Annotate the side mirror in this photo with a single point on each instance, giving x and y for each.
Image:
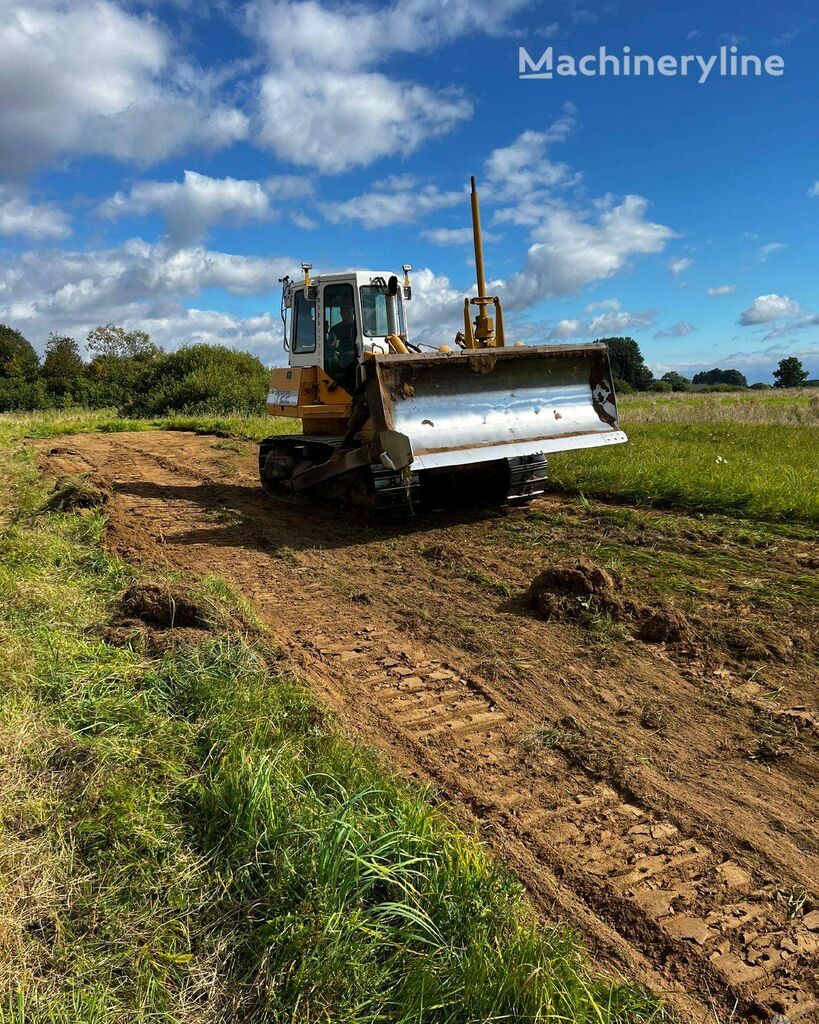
(408, 292)
(312, 293)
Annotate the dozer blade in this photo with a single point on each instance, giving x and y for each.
(484, 404)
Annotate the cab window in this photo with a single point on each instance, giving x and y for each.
(340, 335)
(373, 311)
(304, 318)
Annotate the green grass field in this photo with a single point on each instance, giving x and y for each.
(753, 453)
(186, 837)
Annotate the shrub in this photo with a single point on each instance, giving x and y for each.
(662, 385)
(200, 379)
(760, 386)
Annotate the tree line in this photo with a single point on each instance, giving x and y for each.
(126, 370)
(631, 373)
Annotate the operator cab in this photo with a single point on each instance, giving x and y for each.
(337, 320)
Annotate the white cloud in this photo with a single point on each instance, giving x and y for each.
(792, 326)
(436, 310)
(451, 236)
(767, 308)
(323, 64)
(571, 250)
(91, 78)
(722, 289)
(392, 201)
(765, 251)
(301, 220)
(198, 202)
(603, 304)
(679, 266)
(679, 330)
(350, 119)
(605, 325)
(813, 191)
(347, 38)
(70, 292)
(40, 221)
(523, 176)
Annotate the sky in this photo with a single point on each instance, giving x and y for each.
(163, 164)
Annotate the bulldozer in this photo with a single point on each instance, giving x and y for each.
(396, 426)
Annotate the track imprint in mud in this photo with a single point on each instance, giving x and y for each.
(687, 865)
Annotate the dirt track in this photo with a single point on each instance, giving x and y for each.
(659, 797)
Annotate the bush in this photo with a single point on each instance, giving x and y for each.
(662, 385)
(760, 386)
(199, 379)
(622, 387)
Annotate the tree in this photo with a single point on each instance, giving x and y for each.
(662, 385)
(716, 376)
(676, 380)
(627, 363)
(790, 373)
(20, 384)
(115, 342)
(63, 368)
(17, 356)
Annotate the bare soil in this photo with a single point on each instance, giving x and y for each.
(659, 794)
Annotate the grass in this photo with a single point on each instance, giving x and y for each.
(751, 454)
(188, 837)
(50, 422)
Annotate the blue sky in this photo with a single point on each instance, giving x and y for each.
(163, 164)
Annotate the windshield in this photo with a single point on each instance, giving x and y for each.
(374, 311)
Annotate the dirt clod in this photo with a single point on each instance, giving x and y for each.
(79, 492)
(662, 625)
(575, 587)
(162, 606)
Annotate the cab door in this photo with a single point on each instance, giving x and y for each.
(341, 334)
(303, 329)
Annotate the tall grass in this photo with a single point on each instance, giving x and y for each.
(188, 837)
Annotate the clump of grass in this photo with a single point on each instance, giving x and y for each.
(578, 746)
(188, 837)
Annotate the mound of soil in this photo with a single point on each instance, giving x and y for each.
(661, 625)
(165, 607)
(154, 642)
(576, 587)
(71, 494)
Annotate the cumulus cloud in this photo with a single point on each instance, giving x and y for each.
(767, 308)
(72, 291)
(325, 61)
(572, 249)
(679, 266)
(350, 119)
(522, 177)
(813, 191)
(90, 78)
(198, 202)
(609, 324)
(38, 221)
(679, 330)
(722, 289)
(398, 200)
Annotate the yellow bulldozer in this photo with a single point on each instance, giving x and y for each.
(395, 426)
